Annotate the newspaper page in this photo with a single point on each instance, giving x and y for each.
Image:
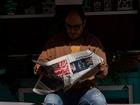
(66, 71)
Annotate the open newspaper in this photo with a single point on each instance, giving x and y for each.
(66, 71)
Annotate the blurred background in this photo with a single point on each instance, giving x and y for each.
(26, 25)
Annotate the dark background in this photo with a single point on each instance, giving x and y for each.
(27, 36)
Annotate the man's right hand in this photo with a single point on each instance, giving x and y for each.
(41, 68)
(44, 70)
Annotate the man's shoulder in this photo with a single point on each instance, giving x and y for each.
(56, 37)
(90, 36)
(93, 40)
(55, 40)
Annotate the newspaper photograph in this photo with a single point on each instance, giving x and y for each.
(66, 71)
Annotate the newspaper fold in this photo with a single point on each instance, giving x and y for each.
(67, 70)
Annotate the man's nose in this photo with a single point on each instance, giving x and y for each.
(72, 30)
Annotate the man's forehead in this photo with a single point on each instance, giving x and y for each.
(73, 18)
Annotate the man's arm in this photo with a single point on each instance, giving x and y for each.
(43, 57)
(100, 71)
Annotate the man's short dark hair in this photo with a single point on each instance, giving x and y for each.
(77, 9)
(63, 11)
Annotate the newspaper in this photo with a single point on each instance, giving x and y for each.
(66, 71)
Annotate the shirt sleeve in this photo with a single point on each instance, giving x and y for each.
(97, 47)
(47, 54)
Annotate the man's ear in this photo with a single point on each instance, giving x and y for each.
(84, 23)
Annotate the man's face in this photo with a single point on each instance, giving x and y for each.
(74, 25)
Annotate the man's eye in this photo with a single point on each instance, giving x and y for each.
(76, 26)
(69, 26)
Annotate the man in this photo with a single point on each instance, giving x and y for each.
(74, 39)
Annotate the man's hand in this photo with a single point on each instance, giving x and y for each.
(103, 67)
(48, 70)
